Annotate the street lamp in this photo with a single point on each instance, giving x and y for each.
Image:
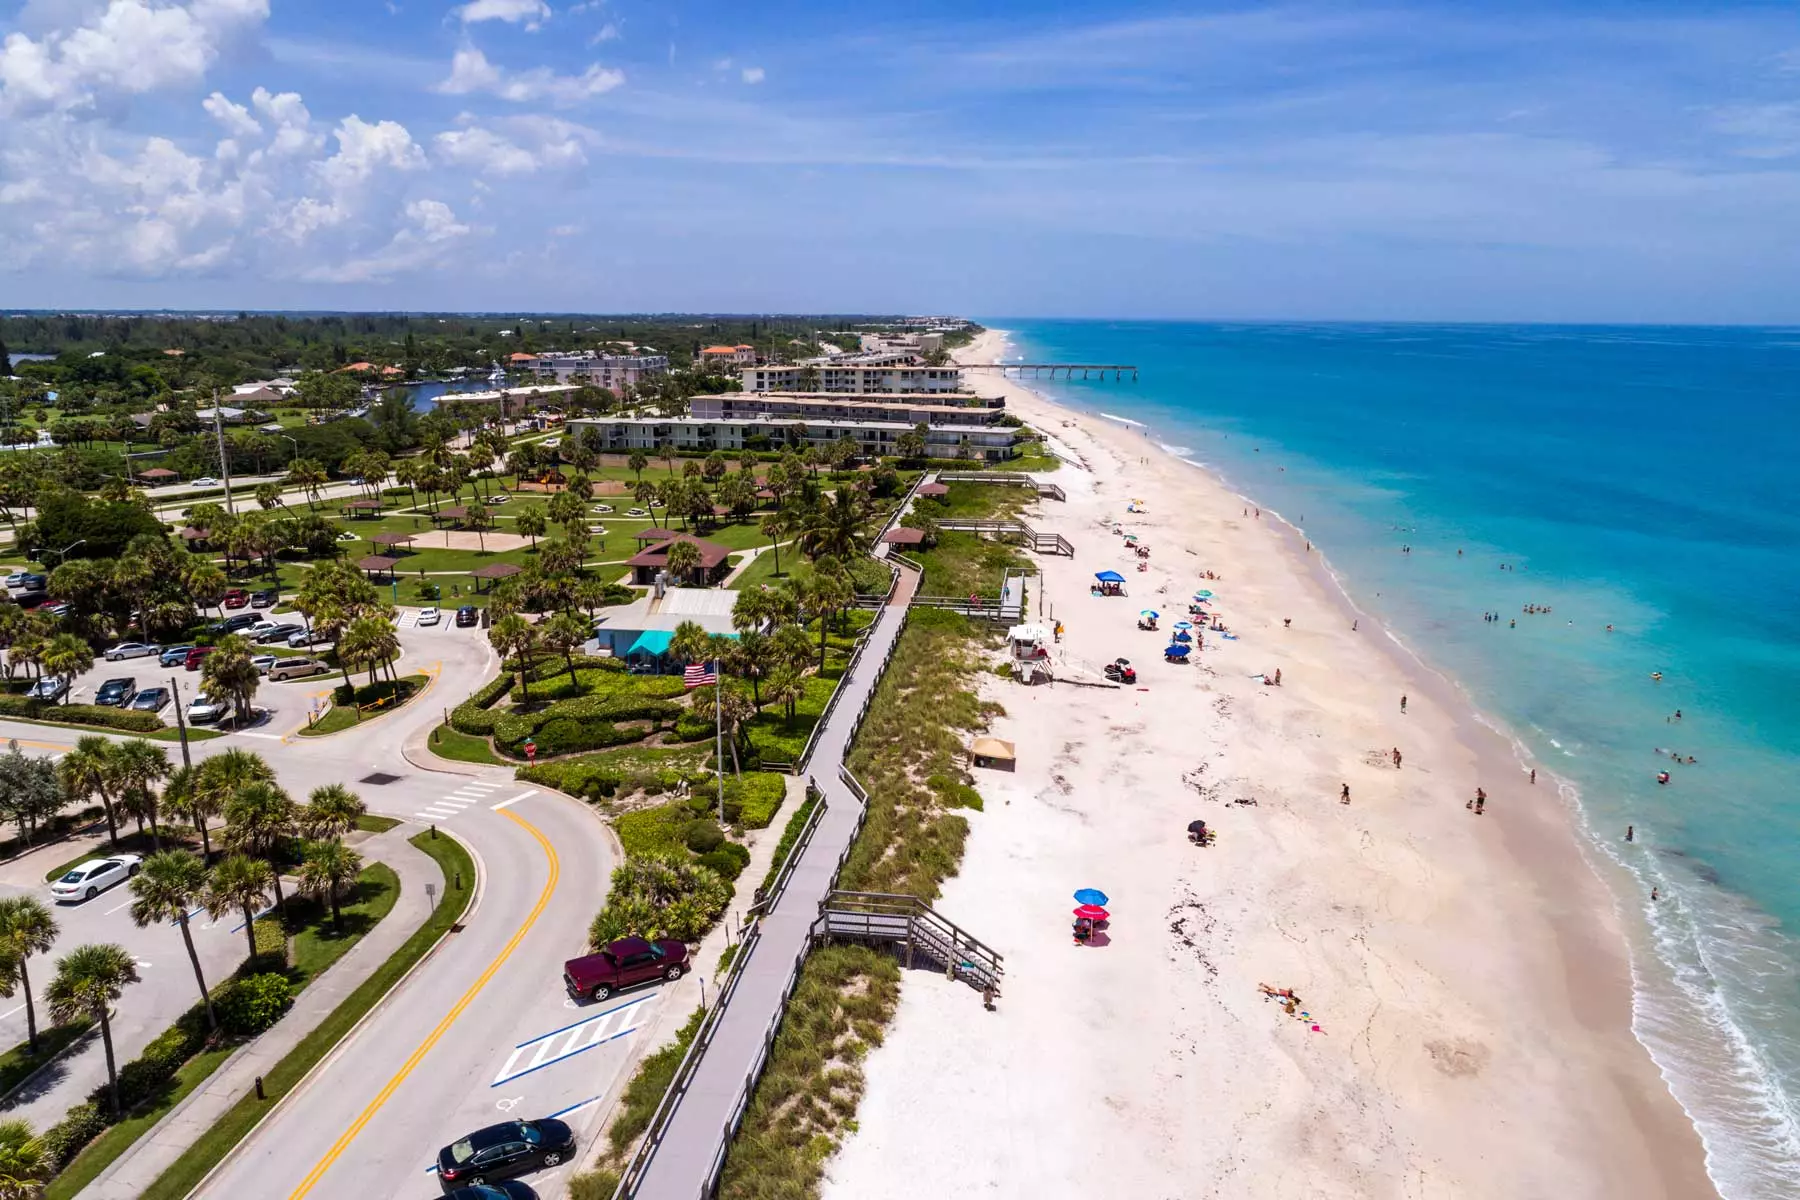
(64, 552)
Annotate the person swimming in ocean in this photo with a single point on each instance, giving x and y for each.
(1656, 675)
(1662, 777)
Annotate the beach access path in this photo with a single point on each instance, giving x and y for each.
(683, 1161)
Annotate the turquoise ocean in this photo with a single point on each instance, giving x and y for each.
(1632, 476)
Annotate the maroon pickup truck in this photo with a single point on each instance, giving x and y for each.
(624, 963)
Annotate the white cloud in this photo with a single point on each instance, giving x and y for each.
(294, 132)
(470, 71)
(430, 238)
(526, 145)
(608, 32)
(529, 13)
(127, 47)
(233, 116)
(365, 149)
(754, 74)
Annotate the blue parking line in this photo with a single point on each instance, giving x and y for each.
(199, 908)
(563, 1112)
(584, 1021)
(563, 1058)
(259, 916)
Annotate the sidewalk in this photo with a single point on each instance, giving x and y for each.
(135, 1170)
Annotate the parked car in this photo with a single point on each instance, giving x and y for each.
(27, 581)
(205, 481)
(236, 598)
(204, 710)
(276, 633)
(174, 656)
(87, 880)
(31, 599)
(429, 616)
(265, 598)
(508, 1189)
(61, 608)
(116, 693)
(499, 498)
(50, 687)
(504, 1151)
(623, 964)
(262, 663)
(132, 650)
(467, 615)
(295, 668)
(16, 579)
(151, 700)
(236, 623)
(196, 656)
(305, 638)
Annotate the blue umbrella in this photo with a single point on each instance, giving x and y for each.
(1184, 624)
(1203, 594)
(1109, 577)
(1181, 635)
(1177, 650)
(1151, 613)
(1091, 896)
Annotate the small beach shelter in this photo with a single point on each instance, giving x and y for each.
(994, 753)
(1184, 624)
(1109, 577)
(1203, 594)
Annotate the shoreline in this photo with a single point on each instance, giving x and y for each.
(1501, 953)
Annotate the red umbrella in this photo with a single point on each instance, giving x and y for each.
(1092, 912)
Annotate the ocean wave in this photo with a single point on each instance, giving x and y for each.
(1123, 420)
(1180, 452)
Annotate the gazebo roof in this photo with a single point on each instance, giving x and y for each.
(392, 539)
(652, 534)
(901, 536)
(196, 535)
(365, 502)
(934, 489)
(159, 473)
(496, 571)
(377, 562)
(456, 513)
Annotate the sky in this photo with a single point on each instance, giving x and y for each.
(1477, 161)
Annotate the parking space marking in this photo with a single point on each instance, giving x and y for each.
(115, 908)
(514, 800)
(272, 737)
(554, 1047)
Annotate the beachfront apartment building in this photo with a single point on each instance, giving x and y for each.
(727, 357)
(788, 407)
(854, 378)
(919, 344)
(610, 371)
(976, 439)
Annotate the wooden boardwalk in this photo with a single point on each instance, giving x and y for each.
(683, 1162)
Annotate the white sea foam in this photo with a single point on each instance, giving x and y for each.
(1180, 452)
(1124, 420)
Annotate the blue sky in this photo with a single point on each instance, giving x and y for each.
(1629, 162)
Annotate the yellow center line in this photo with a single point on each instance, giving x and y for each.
(406, 1068)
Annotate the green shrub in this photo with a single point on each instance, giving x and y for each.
(691, 728)
(79, 1126)
(757, 799)
(145, 1075)
(597, 1184)
(654, 832)
(702, 835)
(254, 1003)
(80, 714)
(475, 715)
(728, 859)
(953, 793)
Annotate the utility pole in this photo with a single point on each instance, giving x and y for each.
(224, 462)
(180, 721)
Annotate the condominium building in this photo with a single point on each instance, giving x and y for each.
(611, 371)
(856, 378)
(789, 407)
(728, 356)
(989, 442)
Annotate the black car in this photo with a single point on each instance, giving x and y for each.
(116, 693)
(151, 700)
(279, 633)
(510, 1189)
(265, 598)
(467, 615)
(504, 1151)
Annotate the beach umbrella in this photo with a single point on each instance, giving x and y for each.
(1151, 613)
(1090, 896)
(1196, 826)
(1181, 635)
(1092, 912)
(1177, 650)
(1184, 624)
(1109, 577)
(1203, 594)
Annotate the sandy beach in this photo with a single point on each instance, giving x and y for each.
(1464, 979)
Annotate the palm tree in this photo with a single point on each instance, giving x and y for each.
(138, 766)
(331, 811)
(564, 634)
(86, 772)
(646, 493)
(786, 687)
(532, 523)
(330, 869)
(166, 889)
(24, 1162)
(67, 656)
(202, 796)
(826, 592)
(637, 462)
(268, 495)
(689, 643)
(26, 928)
(684, 560)
(205, 582)
(88, 980)
(512, 635)
(834, 528)
(749, 658)
(406, 474)
(238, 883)
(478, 518)
(259, 820)
(229, 671)
(309, 476)
(368, 641)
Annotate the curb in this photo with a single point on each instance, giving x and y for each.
(73, 1045)
(298, 737)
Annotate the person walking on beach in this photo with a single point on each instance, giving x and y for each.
(1403, 704)
(1396, 758)
(1534, 777)
(1344, 795)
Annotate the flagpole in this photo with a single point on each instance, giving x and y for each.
(719, 732)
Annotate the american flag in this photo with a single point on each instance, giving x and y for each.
(699, 675)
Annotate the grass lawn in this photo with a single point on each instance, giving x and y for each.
(462, 747)
(212, 1146)
(761, 570)
(369, 823)
(317, 944)
(342, 716)
(167, 734)
(174, 837)
(964, 564)
(20, 1062)
(981, 501)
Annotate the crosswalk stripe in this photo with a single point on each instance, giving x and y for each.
(486, 787)
(439, 811)
(431, 816)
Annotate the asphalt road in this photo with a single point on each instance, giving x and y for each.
(482, 1029)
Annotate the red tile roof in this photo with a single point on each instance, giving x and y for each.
(711, 553)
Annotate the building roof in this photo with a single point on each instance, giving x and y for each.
(391, 539)
(367, 502)
(454, 513)
(521, 357)
(496, 571)
(711, 553)
(195, 535)
(697, 602)
(651, 534)
(636, 617)
(990, 747)
(377, 562)
(726, 349)
(934, 489)
(901, 536)
(652, 641)
(158, 473)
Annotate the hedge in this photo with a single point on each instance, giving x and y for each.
(254, 1003)
(139, 1079)
(728, 859)
(475, 715)
(80, 714)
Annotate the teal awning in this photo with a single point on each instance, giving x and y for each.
(652, 641)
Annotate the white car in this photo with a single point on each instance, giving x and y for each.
(429, 616)
(499, 498)
(132, 650)
(89, 879)
(263, 662)
(205, 481)
(204, 710)
(47, 688)
(552, 443)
